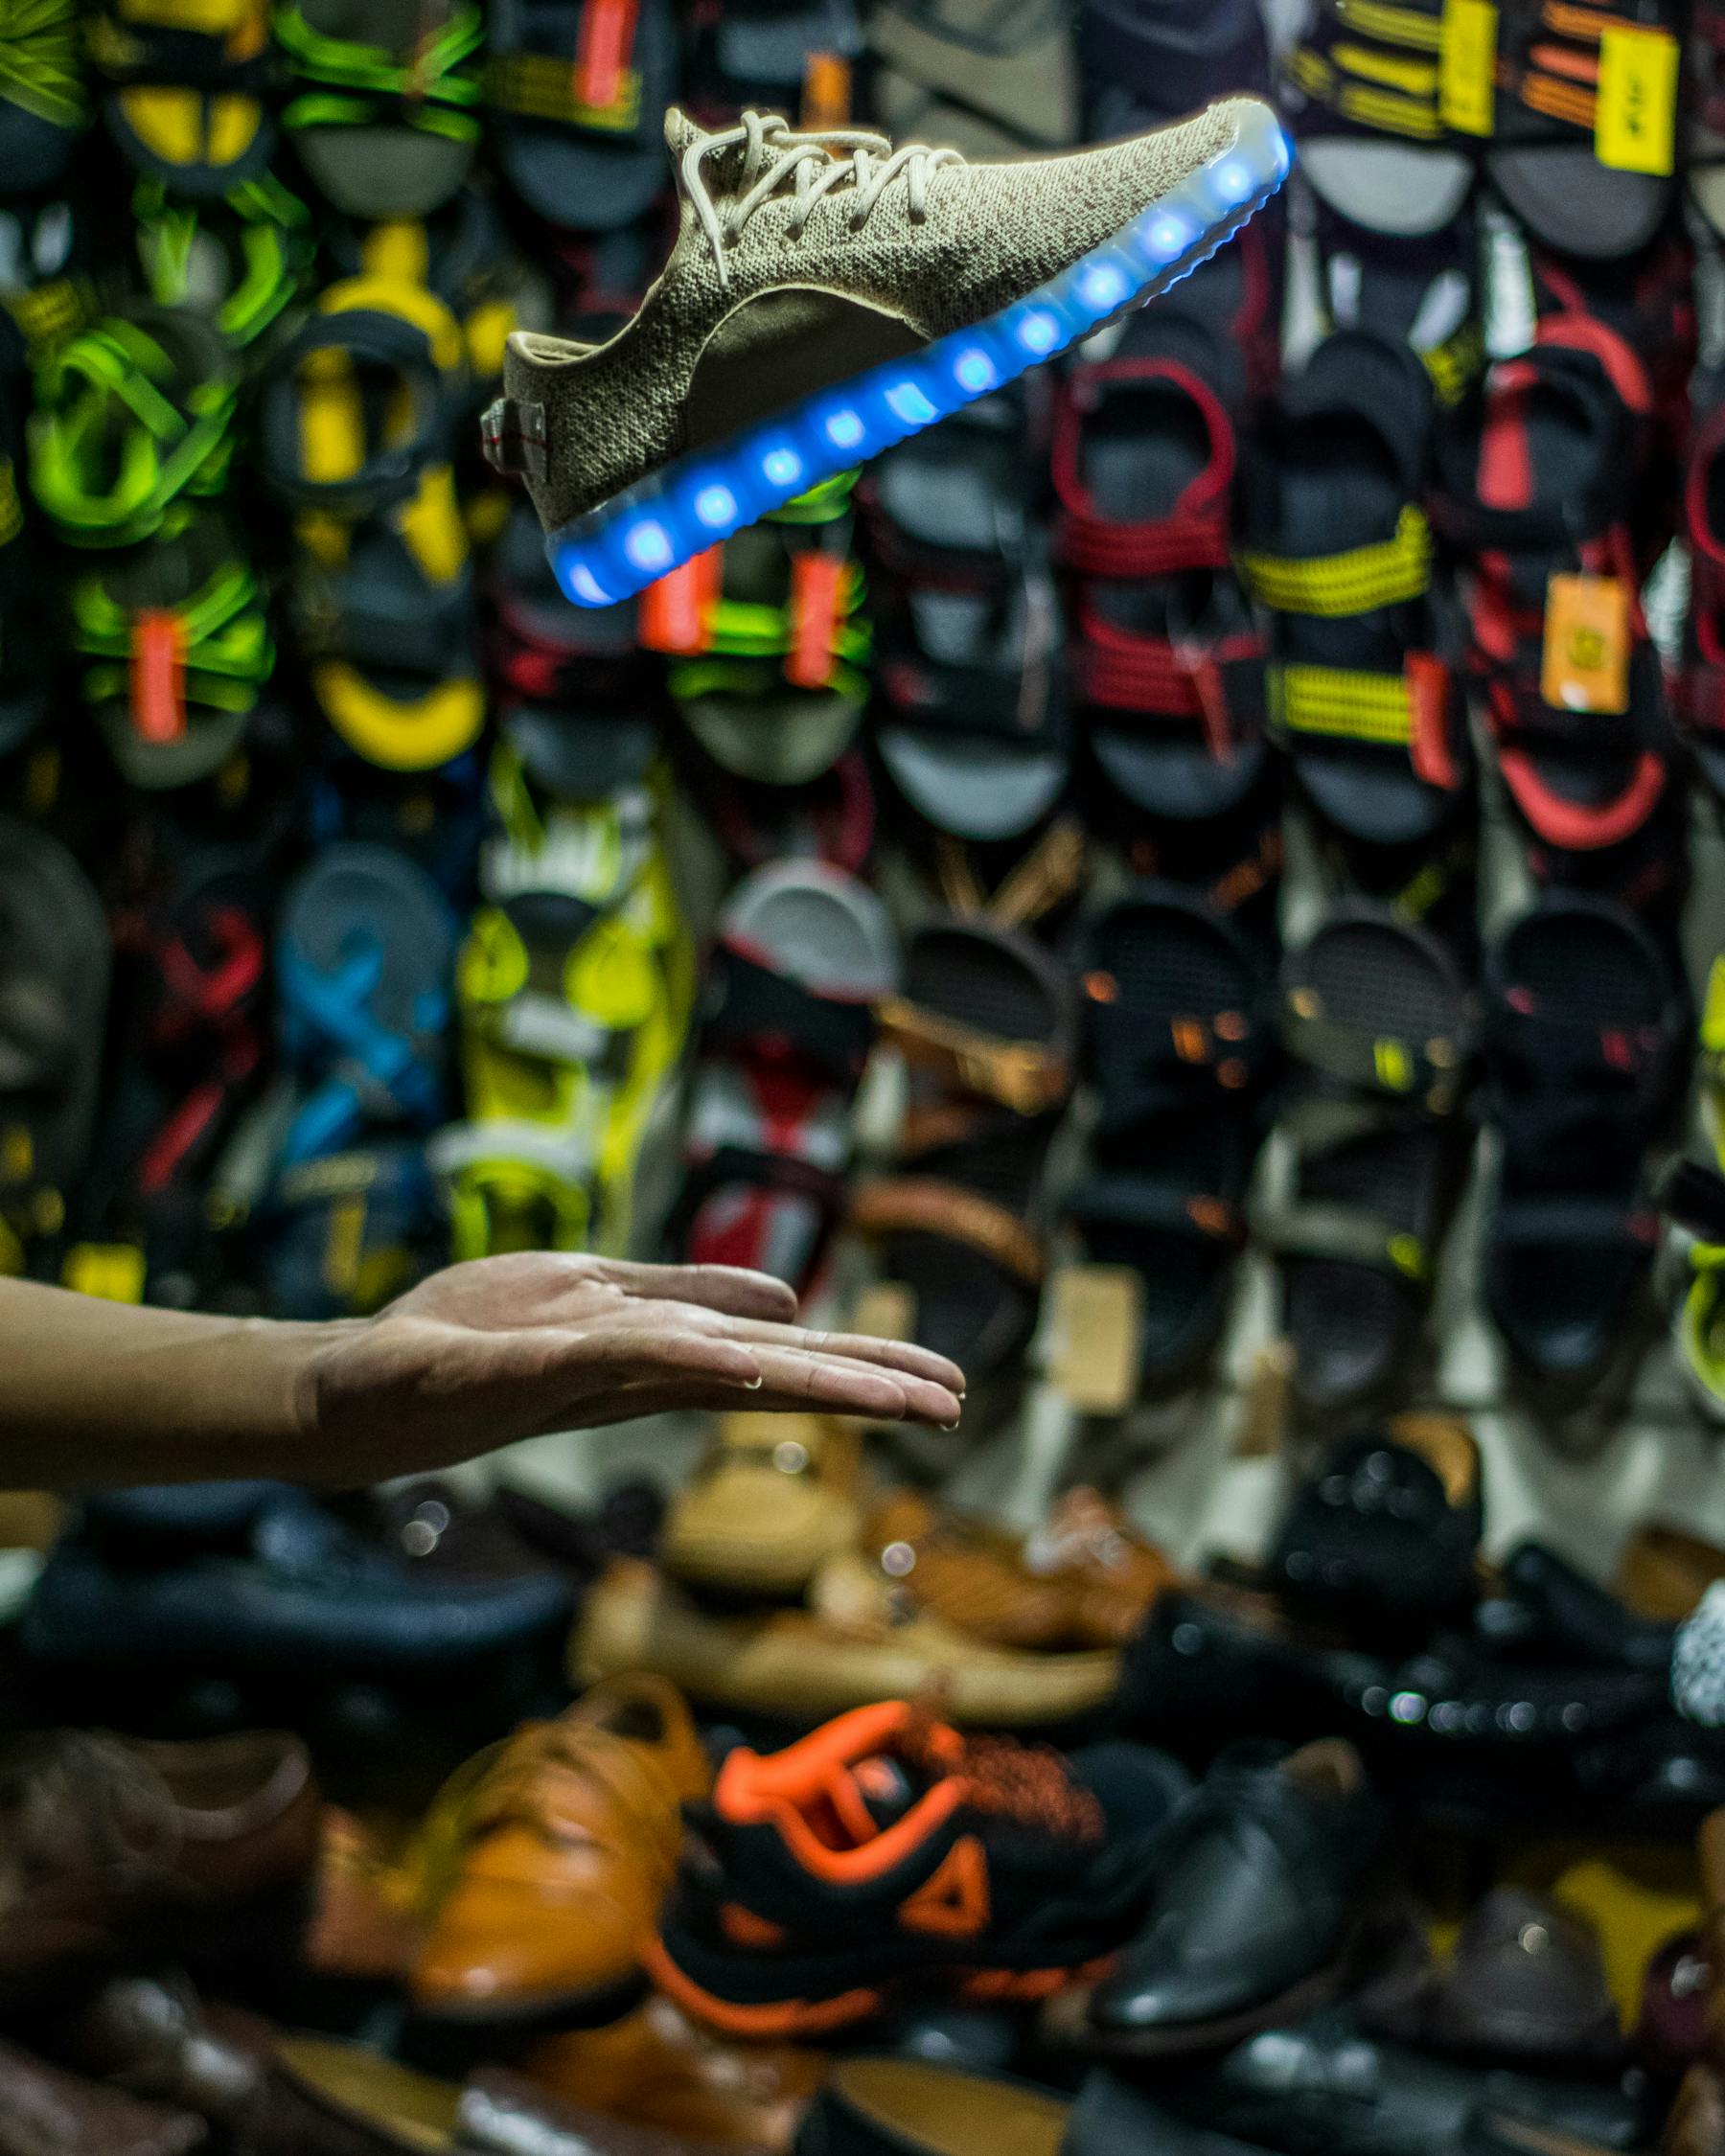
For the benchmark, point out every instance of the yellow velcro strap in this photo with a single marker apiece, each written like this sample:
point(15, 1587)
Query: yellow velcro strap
point(1343, 704)
point(1311, 71)
point(112, 1271)
point(400, 734)
point(1455, 362)
point(1391, 25)
point(1389, 113)
point(1712, 1008)
point(391, 295)
point(1336, 584)
point(1414, 78)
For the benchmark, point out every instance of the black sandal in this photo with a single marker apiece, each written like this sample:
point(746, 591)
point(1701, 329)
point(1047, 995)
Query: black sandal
point(1176, 1042)
point(1587, 1037)
point(1379, 1015)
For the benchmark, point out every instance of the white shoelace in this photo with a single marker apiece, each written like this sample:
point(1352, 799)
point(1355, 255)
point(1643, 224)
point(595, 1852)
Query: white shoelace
point(776, 154)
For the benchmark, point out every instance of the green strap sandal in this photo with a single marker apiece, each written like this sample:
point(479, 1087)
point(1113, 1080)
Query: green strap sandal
point(131, 415)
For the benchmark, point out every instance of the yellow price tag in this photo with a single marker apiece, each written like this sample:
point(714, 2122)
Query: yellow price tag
point(114, 1272)
point(1467, 66)
point(1635, 130)
point(1585, 663)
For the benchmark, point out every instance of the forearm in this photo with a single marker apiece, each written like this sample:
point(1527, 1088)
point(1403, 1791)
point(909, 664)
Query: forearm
point(96, 1392)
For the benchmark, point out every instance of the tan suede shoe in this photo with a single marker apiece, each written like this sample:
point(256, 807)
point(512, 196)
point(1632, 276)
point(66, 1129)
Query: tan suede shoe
point(1083, 1580)
point(547, 1858)
point(858, 1642)
point(776, 1496)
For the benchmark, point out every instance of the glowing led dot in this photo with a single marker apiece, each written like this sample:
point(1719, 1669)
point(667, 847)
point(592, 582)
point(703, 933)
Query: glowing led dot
point(1232, 180)
point(845, 429)
point(649, 546)
point(781, 468)
point(583, 586)
point(1166, 237)
point(1102, 286)
point(910, 405)
point(1039, 332)
point(715, 506)
point(975, 371)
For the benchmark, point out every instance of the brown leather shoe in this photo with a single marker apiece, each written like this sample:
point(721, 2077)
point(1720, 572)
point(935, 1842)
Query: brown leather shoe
point(1086, 1579)
point(1526, 1986)
point(366, 1927)
point(152, 2036)
point(774, 1498)
point(1663, 1573)
point(858, 1642)
point(46, 2111)
point(563, 1843)
point(658, 2068)
point(102, 1837)
point(340, 2099)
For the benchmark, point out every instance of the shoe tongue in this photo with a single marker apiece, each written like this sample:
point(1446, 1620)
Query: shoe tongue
point(720, 172)
point(680, 135)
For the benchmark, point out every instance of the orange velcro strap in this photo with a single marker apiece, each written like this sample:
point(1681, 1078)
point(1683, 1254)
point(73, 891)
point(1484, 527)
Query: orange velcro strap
point(925, 1205)
point(676, 612)
point(602, 50)
point(158, 677)
point(1026, 1076)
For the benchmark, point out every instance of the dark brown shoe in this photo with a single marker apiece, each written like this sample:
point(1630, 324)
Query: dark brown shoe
point(102, 1837)
point(1526, 1986)
point(366, 1927)
point(152, 2036)
point(47, 2112)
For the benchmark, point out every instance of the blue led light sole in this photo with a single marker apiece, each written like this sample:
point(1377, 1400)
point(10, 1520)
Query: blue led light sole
point(667, 519)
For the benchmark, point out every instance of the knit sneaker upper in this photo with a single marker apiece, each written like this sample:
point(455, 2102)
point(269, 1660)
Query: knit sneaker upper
point(802, 260)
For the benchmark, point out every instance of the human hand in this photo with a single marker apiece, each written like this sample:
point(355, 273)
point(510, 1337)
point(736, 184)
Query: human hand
point(510, 1347)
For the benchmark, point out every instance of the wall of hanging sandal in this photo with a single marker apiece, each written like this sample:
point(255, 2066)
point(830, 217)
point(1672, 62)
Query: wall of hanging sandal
point(1193, 887)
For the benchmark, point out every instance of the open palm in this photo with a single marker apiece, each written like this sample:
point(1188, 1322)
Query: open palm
point(509, 1347)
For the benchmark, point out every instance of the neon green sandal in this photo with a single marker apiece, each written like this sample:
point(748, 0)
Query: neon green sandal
point(131, 415)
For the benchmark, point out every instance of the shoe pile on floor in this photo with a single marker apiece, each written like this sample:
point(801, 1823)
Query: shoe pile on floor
point(1379, 1846)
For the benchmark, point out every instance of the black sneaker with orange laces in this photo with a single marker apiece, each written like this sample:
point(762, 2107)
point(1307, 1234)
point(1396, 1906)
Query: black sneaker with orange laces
point(886, 1853)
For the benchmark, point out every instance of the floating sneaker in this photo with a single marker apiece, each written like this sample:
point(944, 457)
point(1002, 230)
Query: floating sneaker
point(829, 296)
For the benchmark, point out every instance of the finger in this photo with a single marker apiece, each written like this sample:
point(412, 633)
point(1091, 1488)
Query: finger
point(846, 1386)
point(607, 1363)
point(897, 1355)
point(640, 1401)
point(729, 1288)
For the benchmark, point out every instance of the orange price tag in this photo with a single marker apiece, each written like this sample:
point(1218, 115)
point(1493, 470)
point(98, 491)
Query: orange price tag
point(674, 613)
point(816, 580)
point(1585, 666)
point(607, 38)
point(827, 93)
point(158, 677)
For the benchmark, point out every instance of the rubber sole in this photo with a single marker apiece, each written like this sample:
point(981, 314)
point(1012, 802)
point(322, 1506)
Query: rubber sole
point(806, 2018)
point(1067, 2019)
point(652, 527)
